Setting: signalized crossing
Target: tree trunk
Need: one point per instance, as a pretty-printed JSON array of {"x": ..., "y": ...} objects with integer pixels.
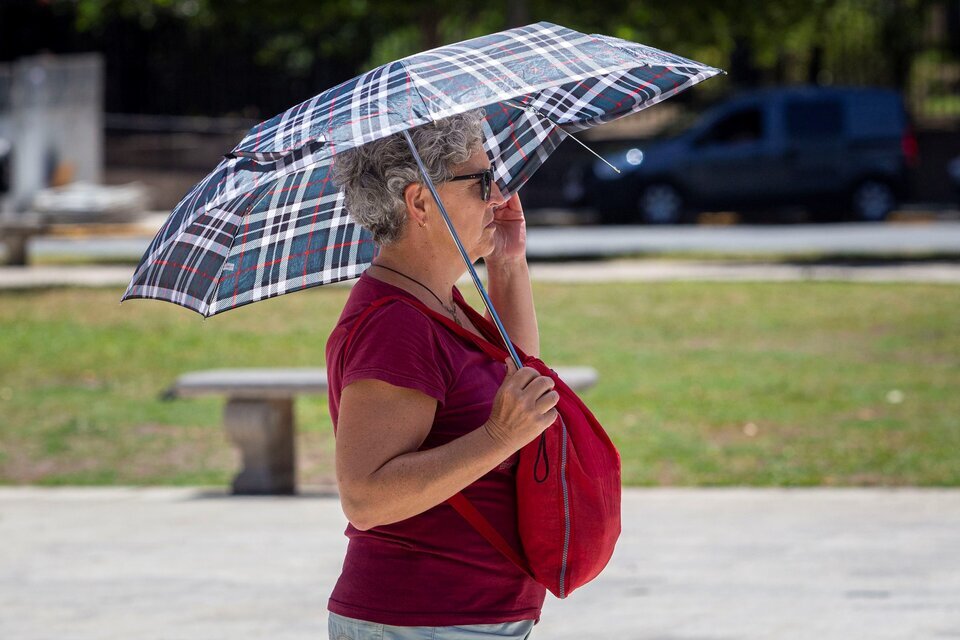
[
  {"x": 743, "y": 72},
  {"x": 430, "y": 30},
  {"x": 518, "y": 14}
]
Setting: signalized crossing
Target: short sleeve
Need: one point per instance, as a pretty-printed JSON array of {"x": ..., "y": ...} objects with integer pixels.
[{"x": 399, "y": 345}]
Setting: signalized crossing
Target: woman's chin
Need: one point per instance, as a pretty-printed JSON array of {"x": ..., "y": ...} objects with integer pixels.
[
  {"x": 479, "y": 252},
  {"x": 488, "y": 249}
]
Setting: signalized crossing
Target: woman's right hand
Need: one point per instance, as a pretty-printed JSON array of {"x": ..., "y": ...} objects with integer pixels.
[{"x": 523, "y": 408}]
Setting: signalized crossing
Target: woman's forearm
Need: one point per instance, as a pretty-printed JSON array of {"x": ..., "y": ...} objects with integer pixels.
[
  {"x": 411, "y": 483},
  {"x": 512, "y": 296}
]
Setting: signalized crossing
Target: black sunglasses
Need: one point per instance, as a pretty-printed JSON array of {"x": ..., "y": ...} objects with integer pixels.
[{"x": 486, "y": 182}]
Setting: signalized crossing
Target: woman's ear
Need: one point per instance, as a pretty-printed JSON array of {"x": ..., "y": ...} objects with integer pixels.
[{"x": 415, "y": 196}]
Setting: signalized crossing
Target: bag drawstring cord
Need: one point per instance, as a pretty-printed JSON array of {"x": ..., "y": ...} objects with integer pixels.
[{"x": 541, "y": 455}]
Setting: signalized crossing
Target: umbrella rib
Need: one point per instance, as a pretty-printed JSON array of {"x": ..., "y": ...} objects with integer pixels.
[
  {"x": 533, "y": 109},
  {"x": 209, "y": 299},
  {"x": 502, "y": 96}
]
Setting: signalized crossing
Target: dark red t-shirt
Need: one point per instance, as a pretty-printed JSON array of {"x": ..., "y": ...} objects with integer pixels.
[{"x": 432, "y": 569}]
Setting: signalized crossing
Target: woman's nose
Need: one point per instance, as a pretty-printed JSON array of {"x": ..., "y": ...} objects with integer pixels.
[{"x": 496, "y": 196}]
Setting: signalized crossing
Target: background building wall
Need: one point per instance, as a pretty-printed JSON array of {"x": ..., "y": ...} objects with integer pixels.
[{"x": 53, "y": 118}]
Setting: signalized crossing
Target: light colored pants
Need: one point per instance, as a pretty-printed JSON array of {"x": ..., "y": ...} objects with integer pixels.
[{"x": 343, "y": 628}]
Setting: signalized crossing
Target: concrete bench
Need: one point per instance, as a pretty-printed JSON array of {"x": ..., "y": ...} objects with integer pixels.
[
  {"x": 258, "y": 416},
  {"x": 15, "y": 233}
]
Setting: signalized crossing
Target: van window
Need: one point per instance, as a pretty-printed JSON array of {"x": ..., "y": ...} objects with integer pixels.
[
  {"x": 814, "y": 118},
  {"x": 879, "y": 114},
  {"x": 745, "y": 125}
]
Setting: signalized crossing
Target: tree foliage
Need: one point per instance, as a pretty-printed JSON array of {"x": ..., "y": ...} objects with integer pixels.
[
  {"x": 297, "y": 33},
  {"x": 756, "y": 41}
]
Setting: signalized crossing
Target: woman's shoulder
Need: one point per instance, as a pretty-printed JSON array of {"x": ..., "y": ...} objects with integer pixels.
[
  {"x": 394, "y": 342},
  {"x": 396, "y": 316}
]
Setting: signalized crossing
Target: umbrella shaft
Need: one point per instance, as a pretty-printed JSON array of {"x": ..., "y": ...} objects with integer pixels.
[{"x": 463, "y": 253}]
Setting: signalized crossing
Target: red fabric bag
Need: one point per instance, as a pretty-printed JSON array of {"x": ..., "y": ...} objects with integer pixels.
[{"x": 568, "y": 480}]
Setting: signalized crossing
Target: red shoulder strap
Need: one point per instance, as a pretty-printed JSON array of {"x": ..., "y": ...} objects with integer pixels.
[{"x": 476, "y": 519}]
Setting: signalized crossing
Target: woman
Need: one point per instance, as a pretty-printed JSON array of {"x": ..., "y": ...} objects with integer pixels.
[{"x": 420, "y": 413}]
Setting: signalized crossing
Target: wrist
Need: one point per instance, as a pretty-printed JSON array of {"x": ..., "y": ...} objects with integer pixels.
[
  {"x": 507, "y": 265},
  {"x": 500, "y": 439}
]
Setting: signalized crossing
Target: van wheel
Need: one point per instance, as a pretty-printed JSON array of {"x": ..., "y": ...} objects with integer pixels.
[
  {"x": 872, "y": 201},
  {"x": 660, "y": 203}
]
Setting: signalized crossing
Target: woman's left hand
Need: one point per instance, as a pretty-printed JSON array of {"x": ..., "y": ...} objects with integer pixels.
[{"x": 510, "y": 237}]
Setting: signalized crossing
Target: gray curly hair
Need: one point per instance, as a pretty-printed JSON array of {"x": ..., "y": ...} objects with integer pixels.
[{"x": 374, "y": 175}]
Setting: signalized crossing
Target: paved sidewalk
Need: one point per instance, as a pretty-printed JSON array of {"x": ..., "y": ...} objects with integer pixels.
[
  {"x": 704, "y": 564},
  {"x": 606, "y": 271},
  {"x": 578, "y": 242}
]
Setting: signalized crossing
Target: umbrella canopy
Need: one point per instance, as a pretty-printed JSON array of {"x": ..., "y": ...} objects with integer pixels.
[{"x": 269, "y": 220}]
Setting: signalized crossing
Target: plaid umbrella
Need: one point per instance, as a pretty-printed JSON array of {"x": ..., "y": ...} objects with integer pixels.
[{"x": 268, "y": 220}]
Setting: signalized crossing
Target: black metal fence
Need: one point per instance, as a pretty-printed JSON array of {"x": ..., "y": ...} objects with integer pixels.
[{"x": 910, "y": 46}]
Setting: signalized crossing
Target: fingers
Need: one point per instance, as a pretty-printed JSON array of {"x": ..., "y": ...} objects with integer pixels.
[
  {"x": 511, "y": 209},
  {"x": 547, "y": 402},
  {"x": 523, "y": 376},
  {"x": 531, "y": 382},
  {"x": 523, "y": 407},
  {"x": 550, "y": 416},
  {"x": 540, "y": 385},
  {"x": 513, "y": 202}
]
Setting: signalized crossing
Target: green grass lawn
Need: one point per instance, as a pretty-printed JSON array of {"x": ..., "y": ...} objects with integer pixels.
[{"x": 700, "y": 383}]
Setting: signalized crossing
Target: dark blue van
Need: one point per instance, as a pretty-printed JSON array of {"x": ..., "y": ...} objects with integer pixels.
[{"x": 841, "y": 153}]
